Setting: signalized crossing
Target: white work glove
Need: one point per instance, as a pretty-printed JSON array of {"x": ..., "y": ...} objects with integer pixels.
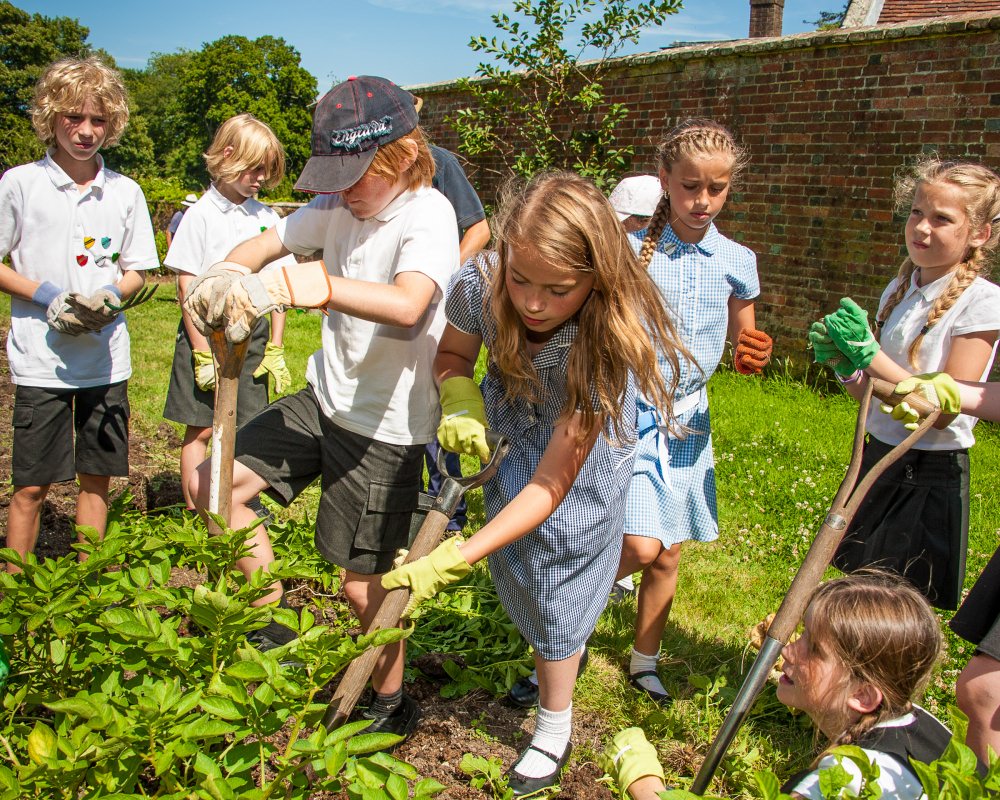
[
  {"x": 206, "y": 295},
  {"x": 57, "y": 311},
  {"x": 253, "y": 296},
  {"x": 92, "y": 311}
]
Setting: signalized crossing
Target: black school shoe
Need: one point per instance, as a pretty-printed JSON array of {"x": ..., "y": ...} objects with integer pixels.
[
  {"x": 524, "y": 693},
  {"x": 522, "y": 785},
  {"x": 661, "y": 698},
  {"x": 401, "y": 721}
]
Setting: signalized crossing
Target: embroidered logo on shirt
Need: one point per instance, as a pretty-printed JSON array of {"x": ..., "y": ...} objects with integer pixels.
[
  {"x": 88, "y": 241},
  {"x": 81, "y": 259}
]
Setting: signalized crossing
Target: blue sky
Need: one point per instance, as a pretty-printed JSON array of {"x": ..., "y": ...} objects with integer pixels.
[{"x": 407, "y": 41}]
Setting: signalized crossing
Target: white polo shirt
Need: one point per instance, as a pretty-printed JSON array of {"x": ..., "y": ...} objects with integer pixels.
[
  {"x": 976, "y": 310},
  {"x": 213, "y": 226},
  {"x": 80, "y": 241},
  {"x": 373, "y": 379}
]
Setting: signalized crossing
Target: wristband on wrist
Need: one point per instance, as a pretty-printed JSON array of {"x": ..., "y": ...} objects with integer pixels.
[
  {"x": 113, "y": 289},
  {"x": 854, "y": 377},
  {"x": 45, "y": 294}
]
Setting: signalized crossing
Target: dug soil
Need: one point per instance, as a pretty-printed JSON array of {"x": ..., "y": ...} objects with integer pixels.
[{"x": 477, "y": 723}]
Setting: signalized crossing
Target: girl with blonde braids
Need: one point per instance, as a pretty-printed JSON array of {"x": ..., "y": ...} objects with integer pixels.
[
  {"x": 573, "y": 326},
  {"x": 938, "y": 314},
  {"x": 710, "y": 283}
]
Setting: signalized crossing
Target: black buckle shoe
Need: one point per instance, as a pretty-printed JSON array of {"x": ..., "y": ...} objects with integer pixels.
[
  {"x": 524, "y": 693},
  {"x": 400, "y": 721},
  {"x": 522, "y": 785},
  {"x": 662, "y": 698}
]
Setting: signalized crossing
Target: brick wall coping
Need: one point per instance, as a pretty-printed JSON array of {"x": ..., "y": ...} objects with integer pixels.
[{"x": 914, "y": 29}]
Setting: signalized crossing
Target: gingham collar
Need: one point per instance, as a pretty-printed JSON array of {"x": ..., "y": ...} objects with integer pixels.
[{"x": 669, "y": 241}]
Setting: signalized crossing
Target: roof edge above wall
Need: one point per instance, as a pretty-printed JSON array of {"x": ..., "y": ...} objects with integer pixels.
[{"x": 913, "y": 29}]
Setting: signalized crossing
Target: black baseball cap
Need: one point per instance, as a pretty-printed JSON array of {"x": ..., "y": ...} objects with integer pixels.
[{"x": 350, "y": 123}]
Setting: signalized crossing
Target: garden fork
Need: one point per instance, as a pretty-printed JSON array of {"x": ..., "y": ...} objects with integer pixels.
[
  {"x": 846, "y": 503},
  {"x": 452, "y": 488},
  {"x": 140, "y": 297}
]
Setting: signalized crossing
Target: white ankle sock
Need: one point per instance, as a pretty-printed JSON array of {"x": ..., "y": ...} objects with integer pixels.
[
  {"x": 642, "y": 663},
  {"x": 626, "y": 583},
  {"x": 552, "y": 730}
]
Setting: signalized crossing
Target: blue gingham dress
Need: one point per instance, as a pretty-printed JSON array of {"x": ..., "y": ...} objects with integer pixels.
[
  {"x": 676, "y": 503},
  {"x": 554, "y": 581}
]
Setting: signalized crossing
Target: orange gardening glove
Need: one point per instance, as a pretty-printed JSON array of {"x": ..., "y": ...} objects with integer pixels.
[{"x": 753, "y": 351}]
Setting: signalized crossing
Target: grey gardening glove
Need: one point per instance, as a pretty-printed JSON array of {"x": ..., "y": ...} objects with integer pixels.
[
  {"x": 205, "y": 300},
  {"x": 57, "y": 312},
  {"x": 93, "y": 311}
]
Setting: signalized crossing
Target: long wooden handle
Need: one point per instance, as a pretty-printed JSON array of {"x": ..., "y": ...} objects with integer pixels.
[
  {"x": 359, "y": 671},
  {"x": 228, "y": 366}
]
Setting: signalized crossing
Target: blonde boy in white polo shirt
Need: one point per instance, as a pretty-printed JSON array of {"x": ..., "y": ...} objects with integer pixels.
[
  {"x": 74, "y": 230},
  {"x": 390, "y": 245}
]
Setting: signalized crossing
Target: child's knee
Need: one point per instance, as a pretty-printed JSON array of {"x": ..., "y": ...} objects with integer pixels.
[
  {"x": 30, "y": 495},
  {"x": 642, "y": 549},
  {"x": 978, "y": 685}
]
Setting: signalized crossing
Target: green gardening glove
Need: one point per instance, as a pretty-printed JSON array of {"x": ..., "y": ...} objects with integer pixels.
[
  {"x": 628, "y": 757},
  {"x": 4, "y": 666},
  {"x": 274, "y": 362},
  {"x": 848, "y": 327},
  {"x": 463, "y": 418},
  {"x": 826, "y": 352},
  {"x": 938, "y": 388},
  {"x": 426, "y": 576},
  {"x": 204, "y": 370}
]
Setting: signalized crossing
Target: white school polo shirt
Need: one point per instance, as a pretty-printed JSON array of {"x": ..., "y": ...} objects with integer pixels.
[
  {"x": 976, "y": 310},
  {"x": 213, "y": 226},
  {"x": 373, "y": 379},
  {"x": 80, "y": 241}
]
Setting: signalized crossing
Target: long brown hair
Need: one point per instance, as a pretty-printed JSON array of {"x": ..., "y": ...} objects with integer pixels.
[
  {"x": 624, "y": 322},
  {"x": 884, "y": 633},
  {"x": 981, "y": 189},
  {"x": 690, "y": 139}
]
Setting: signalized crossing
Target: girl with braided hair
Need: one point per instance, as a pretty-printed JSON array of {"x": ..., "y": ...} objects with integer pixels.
[
  {"x": 938, "y": 314},
  {"x": 710, "y": 283}
]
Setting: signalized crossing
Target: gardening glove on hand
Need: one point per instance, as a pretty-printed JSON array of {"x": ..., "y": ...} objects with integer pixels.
[
  {"x": 427, "y": 576},
  {"x": 753, "y": 351},
  {"x": 274, "y": 362},
  {"x": 463, "y": 418},
  {"x": 628, "y": 757},
  {"x": 206, "y": 294},
  {"x": 826, "y": 352},
  {"x": 848, "y": 327},
  {"x": 299, "y": 286},
  {"x": 58, "y": 313},
  {"x": 938, "y": 388},
  {"x": 92, "y": 311},
  {"x": 204, "y": 370}
]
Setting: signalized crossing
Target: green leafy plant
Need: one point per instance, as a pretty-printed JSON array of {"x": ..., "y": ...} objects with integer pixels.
[
  {"x": 487, "y": 774},
  {"x": 541, "y": 103}
]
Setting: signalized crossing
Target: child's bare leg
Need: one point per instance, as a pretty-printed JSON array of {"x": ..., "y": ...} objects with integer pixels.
[
  {"x": 978, "y": 695},
  {"x": 92, "y": 504},
  {"x": 365, "y": 594},
  {"x": 656, "y": 595},
  {"x": 554, "y": 718},
  {"x": 247, "y": 485},
  {"x": 193, "y": 451},
  {"x": 23, "y": 518}
]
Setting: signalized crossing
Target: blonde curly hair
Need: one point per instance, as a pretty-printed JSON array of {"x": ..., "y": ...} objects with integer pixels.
[{"x": 65, "y": 87}]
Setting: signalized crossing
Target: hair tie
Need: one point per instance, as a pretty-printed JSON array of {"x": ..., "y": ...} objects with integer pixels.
[
  {"x": 880, "y": 323},
  {"x": 995, "y": 219},
  {"x": 923, "y": 330}
]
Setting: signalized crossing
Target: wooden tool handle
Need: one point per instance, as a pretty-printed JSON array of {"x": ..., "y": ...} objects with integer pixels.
[
  {"x": 228, "y": 366},
  {"x": 885, "y": 391}
]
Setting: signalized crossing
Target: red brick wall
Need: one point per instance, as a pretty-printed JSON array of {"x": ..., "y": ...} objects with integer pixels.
[{"x": 827, "y": 117}]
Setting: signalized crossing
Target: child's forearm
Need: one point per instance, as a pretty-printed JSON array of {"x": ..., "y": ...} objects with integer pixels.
[
  {"x": 130, "y": 283},
  {"x": 475, "y": 238},
  {"x": 278, "y": 328},
  {"x": 741, "y": 315},
  {"x": 647, "y": 788},
  {"x": 16, "y": 285},
  {"x": 198, "y": 341},
  {"x": 259, "y": 251},
  {"x": 981, "y": 400}
]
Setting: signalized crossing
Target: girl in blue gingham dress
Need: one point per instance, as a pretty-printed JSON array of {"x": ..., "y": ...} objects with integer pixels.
[
  {"x": 709, "y": 283},
  {"x": 572, "y": 325}
]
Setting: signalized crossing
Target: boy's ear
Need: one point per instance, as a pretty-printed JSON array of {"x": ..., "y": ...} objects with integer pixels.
[
  {"x": 412, "y": 151},
  {"x": 864, "y": 698},
  {"x": 982, "y": 236}
]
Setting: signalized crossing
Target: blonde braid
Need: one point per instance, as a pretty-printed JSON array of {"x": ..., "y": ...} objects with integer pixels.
[
  {"x": 965, "y": 273},
  {"x": 654, "y": 230}
]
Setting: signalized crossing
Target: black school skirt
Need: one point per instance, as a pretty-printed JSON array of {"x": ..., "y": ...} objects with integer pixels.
[{"x": 914, "y": 521}]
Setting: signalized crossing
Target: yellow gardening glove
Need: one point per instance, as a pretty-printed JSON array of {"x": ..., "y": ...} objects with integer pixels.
[
  {"x": 274, "y": 362},
  {"x": 938, "y": 388},
  {"x": 206, "y": 293},
  {"x": 204, "y": 370},
  {"x": 463, "y": 418},
  {"x": 426, "y": 576},
  {"x": 298, "y": 286},
  {"x": 628, "y": 757}
]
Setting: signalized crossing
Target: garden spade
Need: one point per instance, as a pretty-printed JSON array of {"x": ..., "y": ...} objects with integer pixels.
[
  {"x": 452, "y": 488},
  {"x": 845, "y": 505},
  {"x": 228, "y": 365}
]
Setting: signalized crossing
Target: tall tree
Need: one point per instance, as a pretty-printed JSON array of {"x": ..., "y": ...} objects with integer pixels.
[{"x": 541, "y": 103}]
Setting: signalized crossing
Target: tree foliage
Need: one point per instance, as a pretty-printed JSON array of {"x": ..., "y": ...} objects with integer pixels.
[
  {"x": 540, "y": 104},
  {"x": 829, "y": 20}
]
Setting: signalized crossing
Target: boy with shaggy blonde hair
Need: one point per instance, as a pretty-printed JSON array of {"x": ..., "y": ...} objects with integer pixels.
[
  {"x": 390, "y": 245},
  {"x": 79, "y": 238}
]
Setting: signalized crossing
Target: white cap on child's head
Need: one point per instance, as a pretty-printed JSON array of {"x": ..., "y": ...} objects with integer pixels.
[
  {"x": 636, "y": 196},
  {"x": 189, "y": 200}
]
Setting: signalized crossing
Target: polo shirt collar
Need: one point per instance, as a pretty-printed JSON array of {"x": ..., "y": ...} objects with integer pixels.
[
  {"x": 669, "y": 241},
  {"x": 929, "y": 291},
  {"x": 396, "y": 206},
  {"x": 61, "y": 180},
  {"x": 224, "y": 204}
]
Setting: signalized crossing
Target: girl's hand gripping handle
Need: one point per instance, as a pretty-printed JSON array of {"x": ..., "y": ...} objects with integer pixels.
[
  {"x": 427, "y": 576},
  {"x": 938, "y": 388},
  {"x": 753, "y": 351},
  {"x": 463, "y": 418}
]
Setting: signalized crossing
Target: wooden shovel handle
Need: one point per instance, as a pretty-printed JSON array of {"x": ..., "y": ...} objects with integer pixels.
[{"x": 228, "y": 366}]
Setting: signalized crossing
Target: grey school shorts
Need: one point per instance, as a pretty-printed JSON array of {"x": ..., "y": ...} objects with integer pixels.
[
  {"x": 369, "y": 488},
  {"x": 45, "y": 422}
]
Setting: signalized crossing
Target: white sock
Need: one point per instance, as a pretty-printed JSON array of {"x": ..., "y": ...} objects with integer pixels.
[
  {"x": 642, "y": 663},
  {"x": 533, "y": 677},
  {"x": 626, "y": 583},
  {"x": 552, "y": 730}
]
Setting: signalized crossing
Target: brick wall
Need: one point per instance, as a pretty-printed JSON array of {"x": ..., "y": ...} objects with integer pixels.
[{"x": 827, "y": 117}]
